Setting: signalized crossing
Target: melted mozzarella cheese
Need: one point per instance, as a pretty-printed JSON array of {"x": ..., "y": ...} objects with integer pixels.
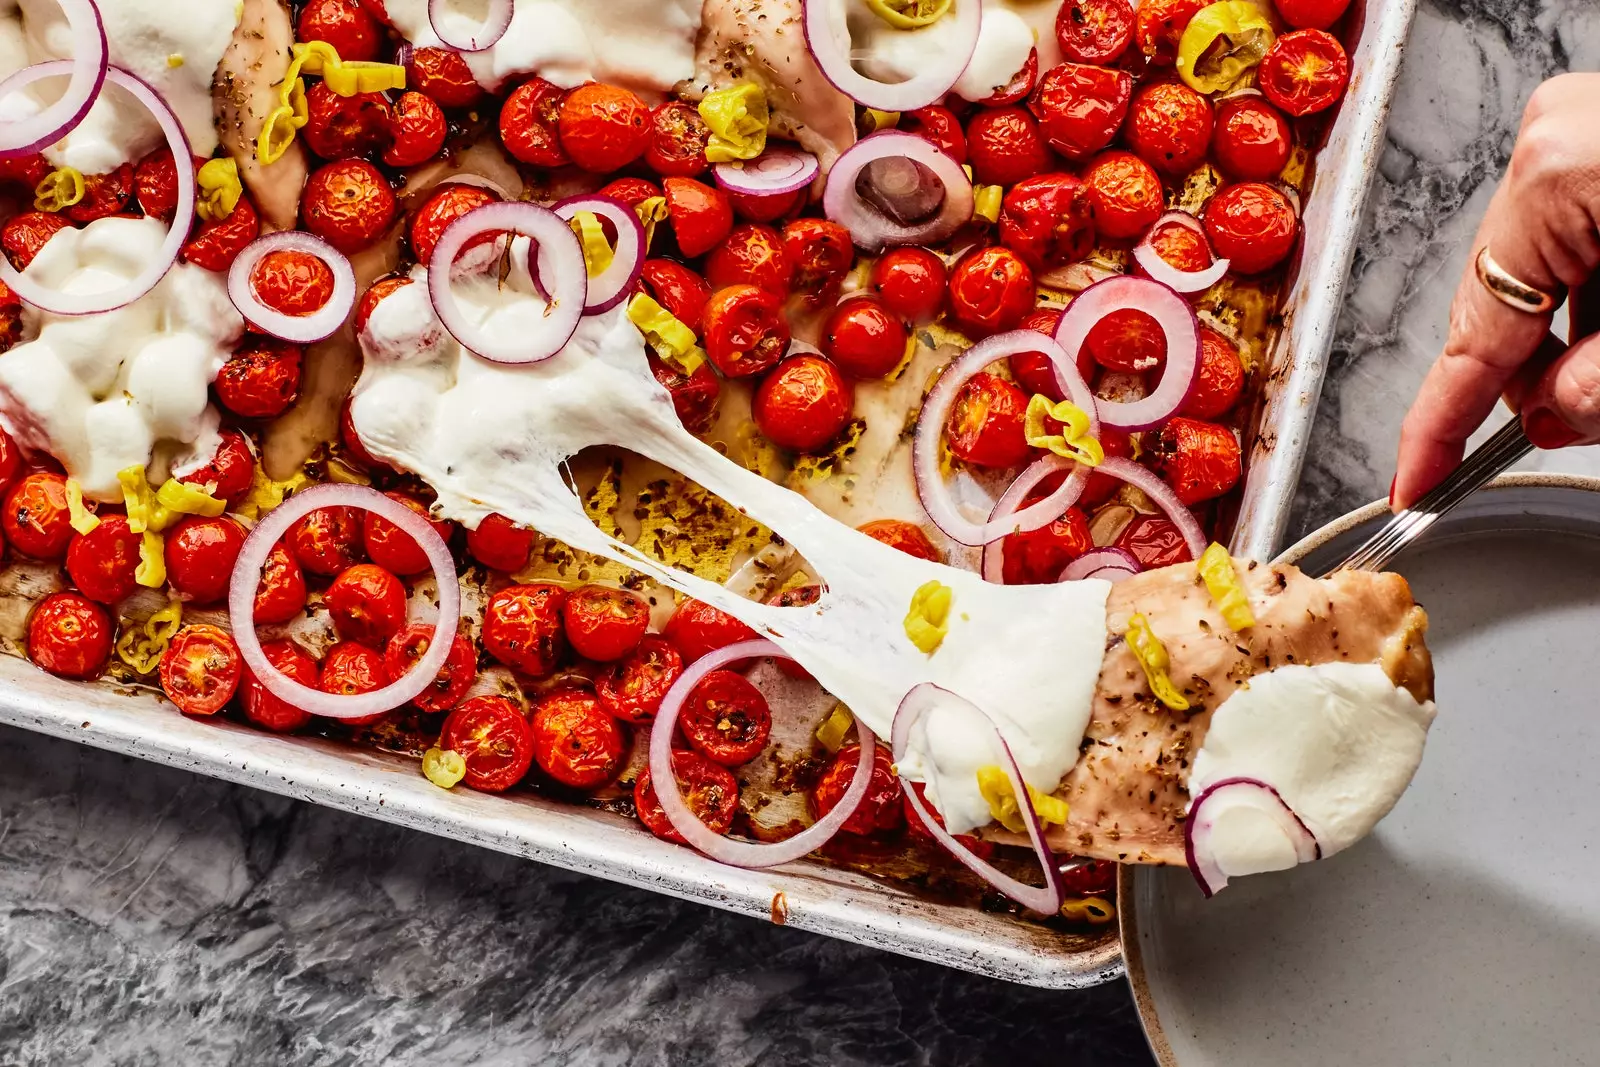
[
  {"x": 1009, "y": 32},
  {"x": 102, "y": 392}
]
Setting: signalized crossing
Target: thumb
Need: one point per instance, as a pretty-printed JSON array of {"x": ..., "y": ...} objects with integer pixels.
[{"x": 1559, "y": 397}]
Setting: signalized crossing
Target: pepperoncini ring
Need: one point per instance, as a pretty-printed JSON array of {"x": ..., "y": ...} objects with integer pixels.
[
  {"x": 1095, "y": 910},
  {"x": 266, "y": 494},
  {"x": 670, "y": 339},
  {"x": 59, "y": 190},
  {"x": 152, "y": 570},
  {"x": 141, "y": 647},
  {"x": 217, "y": 189},
  {"x": 598, "y": 254},
  {"x": 737, "y": 117},
  {"x": 1074, "y": 442},
  {"x": 1152, "y": 656},
  {"x": 443, "y": 767},
  {"x": 145, "y": 512},
  {"x": 928, "y": 621},
  {"x": 81, "y": 518},
  {"x": 1222, "y": 46},
  {"x": 909, "y": 14},
  {"x": 652, "y": 211},
  {"x": 994, "y": 785},
  {"x": 1222, "y": 582},
  {"x": 986, "y": 202},
  {"x": 183, "y": 499},
  {"x": 835, "y": 728}
]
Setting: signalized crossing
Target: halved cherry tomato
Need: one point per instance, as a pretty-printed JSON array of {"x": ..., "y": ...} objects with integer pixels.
[
  {"x": 1169, "y": 127},
  {"x": 231, "y": 470},
  {"x": 697, "y": 628},
  {"x": 1102, "y": 487},
  {"x": 985, "y": 427},
  {"x": 282, "y": 592},
  {"x": 442, "y": 74},
  {"x": 575, "y": 741},
  {"x": 368, "y": 604},
  {"x": 1251, "y": 142},
  {"x": 103, "y": 195},
  {"x": 1221, "y": 377},
  {"x": 23, "y": 235},
  {"x": 155, "y": 184},
  {"x": 345, "y": 24},
  {"x": 1200, "y": 460},
  {"x": 1094, "y": 31},
  {"x": 1251, "y": 223},
  {"x": 1158, "y": 26},
  {"x": 216, "y": 244},
  {"x": 751, "y": 254},
  {"x": 1081, "y": 108},
  {"x": 915, "y": 827},
  {"x": 1154, "y": 542},
  {"x": 1181, "y": 247},
  {"x": 200, "y": 554},
  {"x": 603, "y": 623},
  {"x": 753, "y": 208},
  {"x": 678, "y": 289},
  {"x": 391, "y": 547},
  {"x": 1047, "y": 219},
  {"x": 419, "y": 130},
  {"x": 746, "y": 330},
  {"x": 1035, "y": 371},
  {"x": 292, "y": 282},
  {"x": 911, "y": 282},
  {"x": 726, "y": 719},
  {"x": 1038, "y": 556},
  {"x": 604, "y": 127},
  {"x": 701, "y": 215},
  {"x": 102, "y": 562},
  {"x": 36, "y": 519},
  {"x": 347, "y": 127},
  {"x": 447, "y": 203},
  {"x": 937, "y": 124},
  {"x": 798, "y": 597},
  {"x": 261, "y": 380},
  {"x": 1127, "y": 340},
  {"x": 694, "y": 396},
  {"x": 1311, "y": 14},
  {"x": 710, "y": 791},
  {"x": 500, "y": 544},
  {"x": 908, "y": 537},
  {"x": 803, "y": 404},
  {"x": 1005, "y": 145},
  {"x": 350, "y": 669},
  {"x": 1021, "y": 84},
  {"x": 678, "y": 138},
  {"x": 1126, "y": 194},
  {"x": 881, "y": 808},
  {"x": 522, "y": 627},
  {"x": 327, "y": 540},
  {"x": 70, "y": 636},
  {"x": 990, "y": 290},
  {"x": 530, "y": 122},
  {"x": 822, "y": 254},
  {"x": 633, "y": 687},
  {"x": 200, "y": 669},
  {"x": 406, "y": 649},
  {"x": 263, "y": 708},
  {"x": 1304, "y": 71},
  {"x": 863, "y": 339},
  {"x": 347, "y": 203},
  {"x": 493, "y": 739}
]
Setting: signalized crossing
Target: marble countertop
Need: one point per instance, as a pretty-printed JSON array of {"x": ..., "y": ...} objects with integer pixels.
[{"x": 149, "y": 916}]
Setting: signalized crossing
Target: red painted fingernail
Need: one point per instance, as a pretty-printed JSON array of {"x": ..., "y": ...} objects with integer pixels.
[
  {"x": 1546, "y": 430},
  {"x": 1396, "y": 478}
]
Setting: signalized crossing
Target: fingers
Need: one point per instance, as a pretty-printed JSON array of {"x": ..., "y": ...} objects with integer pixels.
[{"x": 1563, "y": 406}]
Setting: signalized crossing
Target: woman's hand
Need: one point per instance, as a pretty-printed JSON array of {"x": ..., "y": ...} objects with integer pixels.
[{"x": 1543, "y": 227}]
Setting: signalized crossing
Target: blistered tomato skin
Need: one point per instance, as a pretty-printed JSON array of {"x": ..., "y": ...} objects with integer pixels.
[
  {"x": 1035, "y": 371},
  {"x": 103, "y": 195},
  {"x": 1221, "y": 377},
  {"x": 268, "y": 711},
  {"x": 102, "y": 562},
  {"x": 701, "y": 215},
  {"x": 327, "y": 540},
  {"x": 350, "y": 669},
  {"x": 907, "y": 537},
  {"x": 678, "y": 289},
  {"x": 1038, "y": 556},
  {"x": 1169, "y": 127},
  {"x": 1311, "y": 14},
  {"x": 1094, "y": 31},
  {"x": 764, "y": 208},
  {"x": 292, "y": 282},
  {"x": 1251, "y": 142},
  {"x": 1127, "y": 340},
  {"x": 752, "y": 254},
  {"x": 443, "y": 75},
  {"x": 347, "y": 127},
  {"x": 391, "y": 547},
  {"x": 1200, "y": 460},
  {"x": 726, "y": 719},
  {"x": 216, "y": 244},
  {"x": 990, "y": 291},
  {"x": 603, "y": 127},
  {"x": 939, "y": 125},
  {"x": 746, "y": 330},
  {"x": 1304, "y": 72},
  {"x": 603, "y": 623},
  {"x": 407, "y": 648},
  {"x": 493, "y": 739},
  {"x": 985, "y": 427},
  {"x": 1155, "y": 542},
  {"x": 694, "y": 396},
  {"x": 348, "y": 204},
  {"x": 419, "y": 131},
  {"x": 530, "y": 122},
  {"x": 23, "y": 235},
  {"x": 632, "y": 688},
  {"x": 500, "y": 544},
  {"x": 231, "y": 470},
  {"x": 281, "y": 595},
  {"x": 1180, "y": 247},
  {"x": 863, "y": 338},
  {"x": 1081, "y": 108},
  {"x": 1047, "y": 219},
  {"x": 155, "y": 184},
  {"x": 880, "y": 809},
  {"x": 1251, "y": 223},
  {"x": 262, "y": 378},
  {"x": 821, "y": 253},
  {"x": 36, "y": 519},
  {"x": 799, "y": 596},
  {"x": 575, "y": 742},
  {"x": 697, "y": 628},
  {"x": 803, "y": 404},
  {"x": 911, "y": 282},
  {"x": 1005, "y": 146},
  {"x": 69, "y": 635},
  {"x": 708, "y": 790},
  {"x": 1159, "y": 25},
  {"x": 522, "y": 628},
  {"x": 200, "y": 669},
  {"x": 1126, "y": 194},
  {"x": 367, "y": 603},
  {"x": 448, "y": 202},
  {"x": 631, "y": 191},
  {"x": 345, "y": 24},
  {"x": 1020, "y": 85},
  {"x": 200, "y": 554},
  {"x": 678, "y": 138}
]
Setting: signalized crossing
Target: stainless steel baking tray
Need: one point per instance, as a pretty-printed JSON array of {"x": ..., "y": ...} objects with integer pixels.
[{"x": 805, "y": 895}]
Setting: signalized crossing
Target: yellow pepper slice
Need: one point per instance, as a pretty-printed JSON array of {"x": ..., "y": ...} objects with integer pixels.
[
  {"x": 1073, "y": 442},
  {"x": 835, "y": 728},
  {"x": 873, "y": 120},
  {"x": 928, "y": 620},
  {"x": 183, "y": 499},
  {"x": 995, "y": 787},
  {"x": 443, "y": 767},
  {"x": 1094, "y": 910},
  {"x": 1222, "y": 45},
  {"x": 218, "y": 189},
  {"x": 82, "y": 519},
  {"x": 1152, "y": 656},
  {"x": 266, "y": 494},
  {"x": 670, "y": 338},
  {"x": 60, "y": 189},
  {"x": 141, "y": 647},
  {"x": 145, "y": 512},
  {"x": 986, "y": 202},
  {"x": 152, "y": 570},
  {"x": 909, "y": 14},
  {"x": 597, "y": 252},
  {"x": 738, "y": 119},
  {"x": 652, "y": 212},
  {"x": 1222, "y": 582}
]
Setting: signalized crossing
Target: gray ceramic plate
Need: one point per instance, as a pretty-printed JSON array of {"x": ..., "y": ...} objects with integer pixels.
[{"x": 1466, "y": 930}]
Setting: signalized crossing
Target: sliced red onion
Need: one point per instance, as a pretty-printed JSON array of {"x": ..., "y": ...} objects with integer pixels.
[
  {"x": 1052, "y": 506},
  {"x": 828, "y": 38},
  {"x": 93, "y": 303},
  {"x": 21, "y": 137},
  {"x": 1199, "y": 825},
  {"x": 869, "y": 227},
  {"x": 559, "y": 268},
  {"x": 1182, "y": 281},
  {"x": 1006, "y": 517},
  {"x": 780, "y": 169},
  {"x": 1046, "y": 899},
  {"x": 495, "y": 22},
  {"x": 1112, "y": 564},
  {"x": 613, "y": 284},
  {"x": 727, "y": 850},
  {"x": 247, "y": 577},
  {"x": 301, "y": 329},
  {"x": 1178, "y": 324},
  {"x": 1161, "y": 494}
]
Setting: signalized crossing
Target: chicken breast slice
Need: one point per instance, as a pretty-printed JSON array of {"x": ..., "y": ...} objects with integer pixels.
[{"x": 243, "y": 93}]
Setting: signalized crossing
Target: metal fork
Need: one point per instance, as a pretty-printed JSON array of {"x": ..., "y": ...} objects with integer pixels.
[{"x": 1495, "y": 455}]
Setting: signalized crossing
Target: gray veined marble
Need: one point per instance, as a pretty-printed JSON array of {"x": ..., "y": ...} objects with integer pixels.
[{"x": 151, "y": 917}]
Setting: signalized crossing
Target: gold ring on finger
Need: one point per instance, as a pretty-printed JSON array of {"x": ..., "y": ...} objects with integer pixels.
[{"x": 1509, "y": 289}]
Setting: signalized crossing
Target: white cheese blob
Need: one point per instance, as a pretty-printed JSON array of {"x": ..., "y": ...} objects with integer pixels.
[
  {"x": 1338, "y": 741},
  {"x": 637, "y": 44},
  {"x": 100, "y": 392},
  {"x": 1004, "y": 41},
  {"x": 492, "y": 438}
]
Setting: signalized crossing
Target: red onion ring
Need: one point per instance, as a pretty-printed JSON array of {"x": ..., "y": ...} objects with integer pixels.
[
  {"x": 828, "y": 39},
  {"x": 1066, "y": 495},
  {"x": 495, "y": 23},
  {"x": 614, "y": 283},
  {"x": 1197, "y": 831},
  {"x": 1178, "y": 324},
  {"x": 780, "y": 169},
  {"x": 90, "y": 57},
  {"x": 247, "y": 577},
  {"x": 869, "y": 228},
  {"x": 1181, "y": 281},
  {"x": 941, "y": 399},
  {"x": 301, "y": 329},
  {"x": 1111, "y": 564},
  {"x": 59, "y": 303},
  {"x": 1047, "y": 899},
  {"x": 559, "y": 269},
  {"x": 1148, "y": 482},
  {"x": 742, "y": 853}
]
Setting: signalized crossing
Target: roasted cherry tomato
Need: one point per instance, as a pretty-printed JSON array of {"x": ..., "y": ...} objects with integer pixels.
[
  {"x": 1251, "y": 142},
  {"x": 603, "y": 623},
  {"x": 1021, "y": 84},
  {"x": 101, "y": 563},
  {"x": 990, "y": 290},
  {"x": 350, "y": 669},
  {"x": 1094, "y": 31},
  {"x": 1304, "y": 71},
  {"x": 1200, "y": 460},
  {"x": 447, "y": 203},
  {"x": 375, "y": 294},
  {"x": 822, "y": 254},
  {"x": 631, "y": 191},
  {"x": 746, "y": 330},
  {"x": 368, "y": 604},
  {"x": 348, "y": 204},
  {"x": 1102, "y": 487},
  {"x": 798, "y": 597},
  {"x": 10, "y": 321},
  {"x": 911, "y": 283},
  {"x": 522, "y": 627},
  {"x": 1127, "y": 340},
  {"x": 678, "y": 138},
  {"x": 231, "y": 470},
  {"x": 1039, "y": 556},
  {"x": 1180, "y": 246},
  {"x": 678, "y": 289},
  {"x": 880, "y": 809},
  {"x": 752, "y": 254},
  {"x": 1047, "y": 220},
  {"x": 1126, "y": 194},
  {"x": 603, "y": 127},
  {"x": 726, "y": 719},
  {"x": 346, "y": 127},
  {"x": 915, "y": 827},
  {"x": 1169, "y": 127},
  {"x": 863, "y": 338},
  {"x": 70, "y": 636},
  {"x": 937, "y": 124},
  {"x": 803, "y": 404},
  {"x": 24, "y": 173},
  {"x": 282, "y": 592},
  {"x": 344, "y": 24},
  {"x": 103, "y": 195},
  {"x": 1251, "y": 223},
  {"x": 419, "y": 129},
  {"x": 500, "y": 544},
  {"x": 442, "y": 74},
  {"x": 985, "y": 427},
  {"x": 200, "y": 669},
  {"x": 23, "y": 235},
  {"x": 36, "y": 519},
  {"x": 697, "y": 628},
  {"x": 701, "y": 215},
  {"x": 1221, "y": 377},
  {"x": 633, "y": 687},
  {"x": 710, "y": 791},
  {"x": 406, "y": 649},
  {"x": 1081, "y": 108},
  {"x": 216, "y": 244},
  {"x": 327, "y": 540},
  {"x": 1035, "y": 371},
  {"x": 200, "y": 554},
  {"x": 292, "y": 282},
  {"x": 271, "y": 712},
  {"x": 262, "y": 378},
  {"x": 754, "y": 208},
  {"x": 908, "y": 537},
  {"x": 1311, "y": 14},
  {"x": 391, "y": 547},
  {"x": 1159, "y": 25},
  {"x": 530, "y": 124},
  {"x": 155, "y": 184},
  {"x": 1154, "y": 542},
  {"x": 575, "y": 741},
  {"x": 493, "y": 739},
  {"x": 694, "y": 396},
  {"x": 1005, "y": 145}
]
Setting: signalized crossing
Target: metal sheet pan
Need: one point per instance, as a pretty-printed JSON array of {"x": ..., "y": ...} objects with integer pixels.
[{"x": 805, "y": 895}]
